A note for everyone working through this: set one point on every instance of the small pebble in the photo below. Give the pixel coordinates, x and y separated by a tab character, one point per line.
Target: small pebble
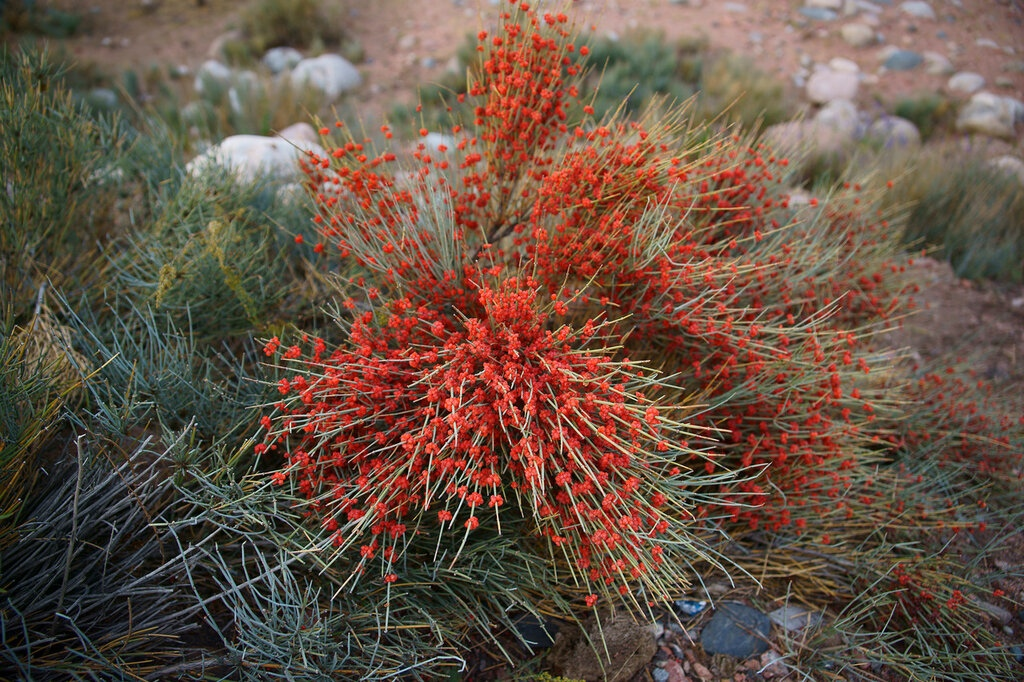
690	607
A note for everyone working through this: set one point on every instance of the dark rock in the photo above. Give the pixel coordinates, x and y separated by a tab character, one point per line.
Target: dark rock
818	13
536	633
903	60
736	630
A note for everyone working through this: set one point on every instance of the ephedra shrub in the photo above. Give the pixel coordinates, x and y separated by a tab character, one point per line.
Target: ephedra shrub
590	338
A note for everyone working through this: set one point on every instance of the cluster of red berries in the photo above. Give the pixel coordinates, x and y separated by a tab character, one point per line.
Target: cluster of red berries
522	287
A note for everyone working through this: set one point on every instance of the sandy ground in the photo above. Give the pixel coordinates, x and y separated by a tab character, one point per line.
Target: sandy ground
410	42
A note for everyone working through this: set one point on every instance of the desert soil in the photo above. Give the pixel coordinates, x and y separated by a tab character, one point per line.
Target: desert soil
399	37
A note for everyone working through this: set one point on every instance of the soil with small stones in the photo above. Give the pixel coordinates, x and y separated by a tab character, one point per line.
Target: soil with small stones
409	43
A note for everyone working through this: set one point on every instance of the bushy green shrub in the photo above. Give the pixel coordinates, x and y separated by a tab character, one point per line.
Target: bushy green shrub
969	211
32	17
58	165
734	89
932	114
630	70
293	23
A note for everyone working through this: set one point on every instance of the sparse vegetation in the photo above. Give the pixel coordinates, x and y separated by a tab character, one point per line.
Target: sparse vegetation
293	23
969	211
932	114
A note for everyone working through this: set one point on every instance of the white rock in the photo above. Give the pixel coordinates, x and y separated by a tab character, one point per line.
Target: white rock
794	618
796	138
868	6
1011	165
966	82
826	85
253	156
844	65
212	78
839	116
936	64
886	51
825	4
434	142
281	59
858	35
918	8
893	132
989	114
330	74
299	134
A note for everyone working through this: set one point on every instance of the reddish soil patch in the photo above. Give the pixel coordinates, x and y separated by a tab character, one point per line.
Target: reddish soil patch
400	36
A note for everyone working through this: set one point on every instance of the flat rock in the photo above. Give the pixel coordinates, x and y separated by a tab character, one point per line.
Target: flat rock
736	630
794	618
